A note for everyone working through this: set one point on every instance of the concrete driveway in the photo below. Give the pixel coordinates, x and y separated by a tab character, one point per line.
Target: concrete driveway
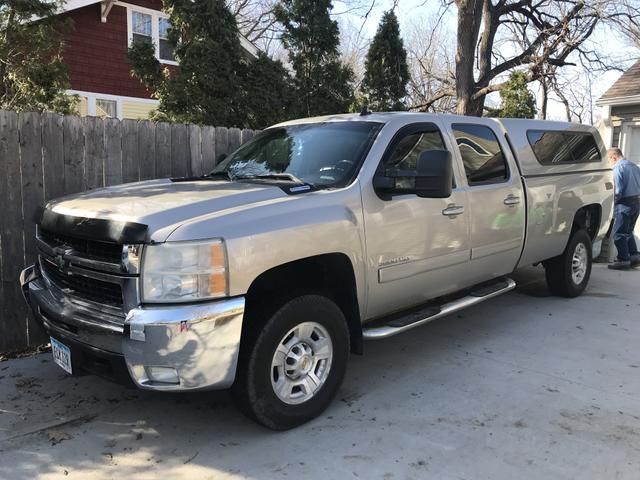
525	386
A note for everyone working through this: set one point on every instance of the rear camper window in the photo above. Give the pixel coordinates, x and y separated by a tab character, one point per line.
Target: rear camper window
557	148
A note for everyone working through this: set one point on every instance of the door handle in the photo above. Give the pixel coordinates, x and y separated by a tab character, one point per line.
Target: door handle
453	210
512	200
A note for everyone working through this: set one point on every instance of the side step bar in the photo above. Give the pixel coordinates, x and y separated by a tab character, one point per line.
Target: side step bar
433	312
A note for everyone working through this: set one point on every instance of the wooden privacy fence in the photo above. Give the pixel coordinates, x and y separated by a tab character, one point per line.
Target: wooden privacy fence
44	156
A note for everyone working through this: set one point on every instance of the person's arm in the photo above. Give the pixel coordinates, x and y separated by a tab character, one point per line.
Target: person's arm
618	179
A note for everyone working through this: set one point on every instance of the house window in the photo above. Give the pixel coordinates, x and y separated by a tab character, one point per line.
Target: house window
166	49
106	108
141	27
147	25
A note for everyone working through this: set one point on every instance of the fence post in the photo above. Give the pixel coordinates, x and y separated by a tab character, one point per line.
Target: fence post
94	153
53	155
30	134
208	148
131	168
247	135
235	139
222	142
147	149
13	326
113	168
180	163
73	151
195	150
163	150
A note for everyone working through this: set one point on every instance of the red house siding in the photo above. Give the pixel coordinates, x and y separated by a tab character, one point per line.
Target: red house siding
96	53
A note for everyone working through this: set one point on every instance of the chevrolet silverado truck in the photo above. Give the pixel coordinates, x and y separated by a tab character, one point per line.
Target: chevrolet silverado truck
265	274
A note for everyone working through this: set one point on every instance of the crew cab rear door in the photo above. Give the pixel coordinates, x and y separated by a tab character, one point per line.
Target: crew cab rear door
496	197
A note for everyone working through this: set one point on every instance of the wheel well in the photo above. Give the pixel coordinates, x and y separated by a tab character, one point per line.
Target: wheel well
329	274
588	218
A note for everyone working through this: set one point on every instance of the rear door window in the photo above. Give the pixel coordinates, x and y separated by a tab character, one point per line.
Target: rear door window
557	148
483	159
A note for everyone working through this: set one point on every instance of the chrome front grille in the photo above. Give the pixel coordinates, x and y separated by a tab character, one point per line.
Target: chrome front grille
92	275
84	287
90	249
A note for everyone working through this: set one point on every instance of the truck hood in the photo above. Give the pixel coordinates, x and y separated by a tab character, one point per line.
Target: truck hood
164	205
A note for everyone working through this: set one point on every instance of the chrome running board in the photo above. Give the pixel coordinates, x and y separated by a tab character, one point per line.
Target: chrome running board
433	312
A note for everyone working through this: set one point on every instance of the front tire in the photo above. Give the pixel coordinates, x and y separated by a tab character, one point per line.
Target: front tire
292	368
568	274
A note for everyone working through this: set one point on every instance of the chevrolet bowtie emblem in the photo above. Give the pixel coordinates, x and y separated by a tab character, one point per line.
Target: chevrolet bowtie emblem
61	260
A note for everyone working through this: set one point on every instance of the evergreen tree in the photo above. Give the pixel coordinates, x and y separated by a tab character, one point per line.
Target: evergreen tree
32	74
215	83
517	99
386	72
268	87
323	85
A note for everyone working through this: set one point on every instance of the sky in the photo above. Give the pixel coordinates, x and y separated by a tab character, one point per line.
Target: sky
411	12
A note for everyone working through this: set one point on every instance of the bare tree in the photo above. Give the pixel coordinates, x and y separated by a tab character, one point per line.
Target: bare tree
256	21
549	33
431	61
353	48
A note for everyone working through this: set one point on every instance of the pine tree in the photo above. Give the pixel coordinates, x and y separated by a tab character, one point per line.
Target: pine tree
323	85
33	76
517	99
215	83
268	88
386	71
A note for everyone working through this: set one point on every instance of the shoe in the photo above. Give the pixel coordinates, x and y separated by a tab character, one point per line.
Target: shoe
635	261
620	265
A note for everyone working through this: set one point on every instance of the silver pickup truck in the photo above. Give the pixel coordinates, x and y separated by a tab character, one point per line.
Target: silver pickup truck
264	275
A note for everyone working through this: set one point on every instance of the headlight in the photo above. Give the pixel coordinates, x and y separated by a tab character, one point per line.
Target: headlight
184	271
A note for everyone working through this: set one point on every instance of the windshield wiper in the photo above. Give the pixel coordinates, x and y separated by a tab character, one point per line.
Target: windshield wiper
222	175
271	176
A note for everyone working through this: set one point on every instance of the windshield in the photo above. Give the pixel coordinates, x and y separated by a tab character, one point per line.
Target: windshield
319	154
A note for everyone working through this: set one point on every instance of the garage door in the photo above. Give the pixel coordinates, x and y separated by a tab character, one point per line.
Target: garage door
633	151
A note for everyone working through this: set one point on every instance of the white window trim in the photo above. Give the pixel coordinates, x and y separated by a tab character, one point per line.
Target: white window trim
156	15
625	136
119	99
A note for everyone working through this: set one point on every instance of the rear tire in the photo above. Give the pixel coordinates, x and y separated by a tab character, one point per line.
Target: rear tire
568	274
291	369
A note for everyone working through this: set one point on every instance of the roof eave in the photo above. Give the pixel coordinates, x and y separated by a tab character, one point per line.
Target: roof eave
612	101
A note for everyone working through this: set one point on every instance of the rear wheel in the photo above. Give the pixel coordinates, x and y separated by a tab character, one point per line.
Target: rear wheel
292	368
568	274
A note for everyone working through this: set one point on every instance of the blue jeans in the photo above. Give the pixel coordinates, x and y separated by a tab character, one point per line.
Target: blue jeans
626	216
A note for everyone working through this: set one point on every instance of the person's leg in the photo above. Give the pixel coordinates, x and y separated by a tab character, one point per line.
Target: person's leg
635	212
633	247
621	237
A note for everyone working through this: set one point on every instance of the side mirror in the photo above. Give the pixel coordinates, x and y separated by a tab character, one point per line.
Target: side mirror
432	178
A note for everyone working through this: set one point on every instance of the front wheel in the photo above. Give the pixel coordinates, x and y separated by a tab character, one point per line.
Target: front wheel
291	370
568	274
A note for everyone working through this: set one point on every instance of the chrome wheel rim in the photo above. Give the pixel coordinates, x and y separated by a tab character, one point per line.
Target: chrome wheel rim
301	363
579	263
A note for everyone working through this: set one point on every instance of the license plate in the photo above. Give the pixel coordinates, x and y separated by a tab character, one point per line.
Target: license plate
61	355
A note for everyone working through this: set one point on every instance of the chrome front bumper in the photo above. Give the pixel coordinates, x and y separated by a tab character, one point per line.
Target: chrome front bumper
168	348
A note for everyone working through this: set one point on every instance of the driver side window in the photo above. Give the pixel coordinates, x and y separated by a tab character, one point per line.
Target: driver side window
406	152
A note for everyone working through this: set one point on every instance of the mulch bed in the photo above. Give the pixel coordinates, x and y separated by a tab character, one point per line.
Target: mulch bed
25	353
